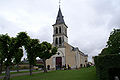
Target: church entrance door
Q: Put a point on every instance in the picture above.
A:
(58, 63)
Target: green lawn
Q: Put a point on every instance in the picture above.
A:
(82, 74)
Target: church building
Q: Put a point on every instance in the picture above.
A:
(67, 54)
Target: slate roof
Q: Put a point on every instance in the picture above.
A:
(59, 19)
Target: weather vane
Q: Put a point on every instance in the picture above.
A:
(59, 3)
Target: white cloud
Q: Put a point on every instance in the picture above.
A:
(89, 21)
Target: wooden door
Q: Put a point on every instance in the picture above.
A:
(59, 61)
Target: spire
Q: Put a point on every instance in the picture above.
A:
(59, 19)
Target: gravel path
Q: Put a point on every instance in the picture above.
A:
(21, 74)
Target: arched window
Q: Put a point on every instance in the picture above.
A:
(56, 41)
(56, 30)
(60, 41)
(59, 29)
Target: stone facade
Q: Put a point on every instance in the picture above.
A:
(67, 54)
(70, 55)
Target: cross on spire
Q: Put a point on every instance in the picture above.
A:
(59, 3)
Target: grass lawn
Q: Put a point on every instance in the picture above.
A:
(82, 74)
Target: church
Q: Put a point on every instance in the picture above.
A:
(67, 54)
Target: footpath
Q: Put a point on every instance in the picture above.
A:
(21, 74)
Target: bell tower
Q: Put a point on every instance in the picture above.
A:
(59, 31)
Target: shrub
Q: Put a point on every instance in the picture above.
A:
(105, 63)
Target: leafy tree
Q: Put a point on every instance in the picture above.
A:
(2, 55)
(114, 41)
(31, 49)
(113, 44)
(22, 39)
(1, 62)
(10, 47)
(7, 50)
(46, 51)
(10, 50)
(9, 56)
(106, 51)
(30, 46)
(17, 57)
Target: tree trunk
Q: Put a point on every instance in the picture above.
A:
(44, 62)
(30, 66)
(7, 73)
(17, 67)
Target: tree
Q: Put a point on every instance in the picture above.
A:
(2, 56)
(30, 44)
(17, 57)
(22, 39)
(7, 45)
(45, 52)
(114, 41)
(10, 47)
(1, 62)
(106, 51)
(113, 44)
(9, 56)
(31, 49)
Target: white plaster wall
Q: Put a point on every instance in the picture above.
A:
(62, 54)
(65, 39)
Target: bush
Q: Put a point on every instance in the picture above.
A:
(105, 64)
(24, 66)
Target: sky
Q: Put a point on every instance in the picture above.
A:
(89, 21)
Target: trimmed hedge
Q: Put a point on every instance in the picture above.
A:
(105, 63)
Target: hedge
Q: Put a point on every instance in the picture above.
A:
(105, 63)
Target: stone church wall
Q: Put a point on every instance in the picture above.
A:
(70, 56)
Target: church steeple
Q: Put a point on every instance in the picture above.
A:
(60, 30)
(59, 19)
